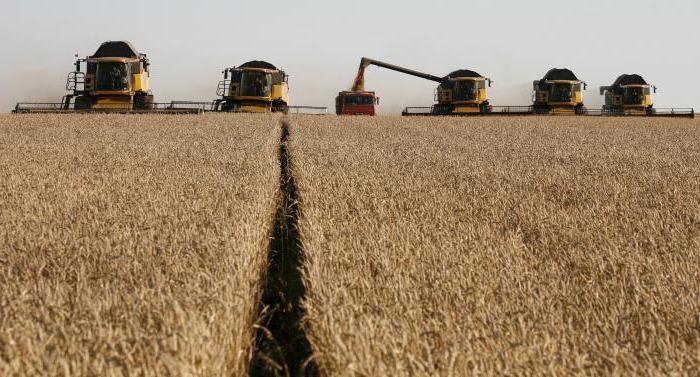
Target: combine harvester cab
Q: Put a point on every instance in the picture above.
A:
(115, 80)
(631, 95)
(356, 103)
(559, 92)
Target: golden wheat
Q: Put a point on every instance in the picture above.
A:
(517, 246)
(133, 245)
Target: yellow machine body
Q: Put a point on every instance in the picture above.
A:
(449, 95)
(116, 78)
(136, 75)
(558, 93)
(618, 100)
(255, 87)
(546, 97)
(114, 102)
(629, 94)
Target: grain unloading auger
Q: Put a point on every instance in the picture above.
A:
(462, 92)
(115, 80)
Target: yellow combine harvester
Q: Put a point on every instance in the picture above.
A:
(116, 79)
(255, 87)
(629, 95)
(559, 92)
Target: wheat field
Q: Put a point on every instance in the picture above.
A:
(133, 245)
(138, 245)
(500, 246)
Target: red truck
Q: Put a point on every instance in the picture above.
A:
(356, 103)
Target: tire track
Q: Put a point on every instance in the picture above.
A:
(281, 345)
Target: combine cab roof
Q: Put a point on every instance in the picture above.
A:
(258, 64)
(464, 73)
(630, 80)
(560, 74)
(116, 49)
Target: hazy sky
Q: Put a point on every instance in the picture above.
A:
(320, 43)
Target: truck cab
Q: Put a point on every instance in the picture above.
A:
(356, 103)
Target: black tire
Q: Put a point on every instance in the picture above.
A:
(485, 108)
(540, 109)
(143, 102)
(227, 106)
(280, 107)
(439, 109)
(83, 103)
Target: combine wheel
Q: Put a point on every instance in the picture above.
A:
(439, 109)
(83, 103)
(541, 110)
(485, 108)
(143, 102)
(280, 107)
(228, 106)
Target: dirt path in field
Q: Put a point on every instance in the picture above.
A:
(282, 347)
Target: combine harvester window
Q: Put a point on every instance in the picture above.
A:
(562, 92)
(635, 96)
(112, 77)
(465, 91)
(257, 84)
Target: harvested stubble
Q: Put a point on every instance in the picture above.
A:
(520, 246)
(133, 245)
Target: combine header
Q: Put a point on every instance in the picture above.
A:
(115, 80)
